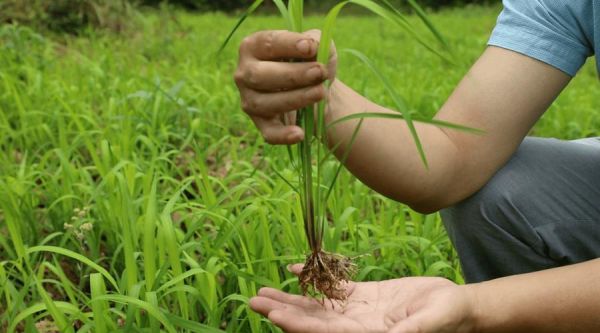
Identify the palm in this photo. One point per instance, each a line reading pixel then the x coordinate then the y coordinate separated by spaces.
pixel 371 307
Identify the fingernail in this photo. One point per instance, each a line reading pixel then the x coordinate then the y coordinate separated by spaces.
pixel 315 73
pixel 303 46
pixel 289 268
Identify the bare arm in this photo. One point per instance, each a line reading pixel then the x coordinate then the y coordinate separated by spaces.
pixel 504 93
pixel 565 299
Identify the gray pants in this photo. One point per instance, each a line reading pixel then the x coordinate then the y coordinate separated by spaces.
pixel 541 210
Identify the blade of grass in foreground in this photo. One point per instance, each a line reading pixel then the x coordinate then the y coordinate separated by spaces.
pixel 97 288
pixel 241 20
pixel 284 13
pixel 435 122
pixel 343 160
pixel 401 106
pixel 398 101
pixel 296 14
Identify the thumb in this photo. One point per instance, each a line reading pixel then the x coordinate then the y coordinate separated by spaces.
pixel 296 269
pixel 332 64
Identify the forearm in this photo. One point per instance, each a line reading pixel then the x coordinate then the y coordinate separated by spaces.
pixel 384 155
pixel 503 94
pixel 565 299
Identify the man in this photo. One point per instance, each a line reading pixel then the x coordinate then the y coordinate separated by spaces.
pixel 524 213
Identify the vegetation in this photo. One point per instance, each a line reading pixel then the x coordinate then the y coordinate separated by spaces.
pixel 71 16
pixel 136 197
pixel 325 273
pixel 76 16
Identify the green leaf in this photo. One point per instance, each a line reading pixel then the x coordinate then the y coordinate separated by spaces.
pixel 76 256
pixel 398 101
pixel 284 13
pixel 296 14
pixel 191 325
pixel 149 238
pixel 65 307
pixel 152 310
pixel 435 122
pixel 99 308
pixel 241 20
pixel 344 158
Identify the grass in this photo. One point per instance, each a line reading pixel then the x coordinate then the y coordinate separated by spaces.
pixel 324 273
pixel 137 197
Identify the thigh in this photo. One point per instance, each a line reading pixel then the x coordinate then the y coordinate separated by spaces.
pixel 561 180
pixel 541 210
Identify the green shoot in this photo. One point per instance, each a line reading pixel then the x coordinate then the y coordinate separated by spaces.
pixel 323 269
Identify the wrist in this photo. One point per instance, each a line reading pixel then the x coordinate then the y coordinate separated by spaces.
pixel 476 316
pixel 332 100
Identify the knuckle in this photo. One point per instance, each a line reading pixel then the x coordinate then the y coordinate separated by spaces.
pixel 294 102
pixel 238 77
pixel 292 78
pixel 315 94
pixel 250 105
pixel 268 137
pixel 269 44
pixel 246 44
pixel 251 75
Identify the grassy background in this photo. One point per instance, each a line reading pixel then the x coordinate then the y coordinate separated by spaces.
pixel 136 194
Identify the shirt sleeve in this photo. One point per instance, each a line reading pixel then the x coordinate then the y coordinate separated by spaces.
pixel 549 31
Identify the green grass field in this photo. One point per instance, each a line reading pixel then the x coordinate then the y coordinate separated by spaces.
pixel 135 196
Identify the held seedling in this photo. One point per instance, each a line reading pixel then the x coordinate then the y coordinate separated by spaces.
pixel 326 273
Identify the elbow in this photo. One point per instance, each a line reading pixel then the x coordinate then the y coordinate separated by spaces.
pixel 427 206
pixel 436 200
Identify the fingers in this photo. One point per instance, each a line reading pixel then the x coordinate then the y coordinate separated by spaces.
pixel 274 76
pixel 279 44
pixel 270 85
pixel 285 298
pixel 264 305
pixel 292 322
pixel 295 269
pixel 275 133
pixel 273 104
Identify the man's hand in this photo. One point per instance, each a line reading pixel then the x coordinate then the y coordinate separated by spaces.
pixel 408 305
pixel 271 85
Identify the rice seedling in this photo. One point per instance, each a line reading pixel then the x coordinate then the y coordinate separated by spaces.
pixel 325 273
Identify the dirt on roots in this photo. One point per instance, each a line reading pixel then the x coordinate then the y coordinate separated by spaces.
pixel 327 274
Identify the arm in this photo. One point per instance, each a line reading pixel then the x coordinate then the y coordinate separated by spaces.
pixel 558 300
pixel 565 299
pixel 503 94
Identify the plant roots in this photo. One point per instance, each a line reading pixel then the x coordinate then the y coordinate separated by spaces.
pixel 327 274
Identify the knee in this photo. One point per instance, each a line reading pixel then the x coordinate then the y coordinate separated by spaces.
pixel 493 203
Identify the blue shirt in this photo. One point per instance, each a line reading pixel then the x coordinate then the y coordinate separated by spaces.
pixel 561 33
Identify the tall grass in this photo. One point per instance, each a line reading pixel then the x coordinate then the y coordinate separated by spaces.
pixel 138 139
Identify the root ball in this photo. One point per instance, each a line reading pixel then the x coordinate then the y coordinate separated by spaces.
pixel 327 274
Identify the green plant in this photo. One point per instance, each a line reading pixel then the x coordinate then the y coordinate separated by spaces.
pixel 325 272
pixel 94 123
pixel 68 16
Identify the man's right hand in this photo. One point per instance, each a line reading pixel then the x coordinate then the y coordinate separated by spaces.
pixel 271 84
